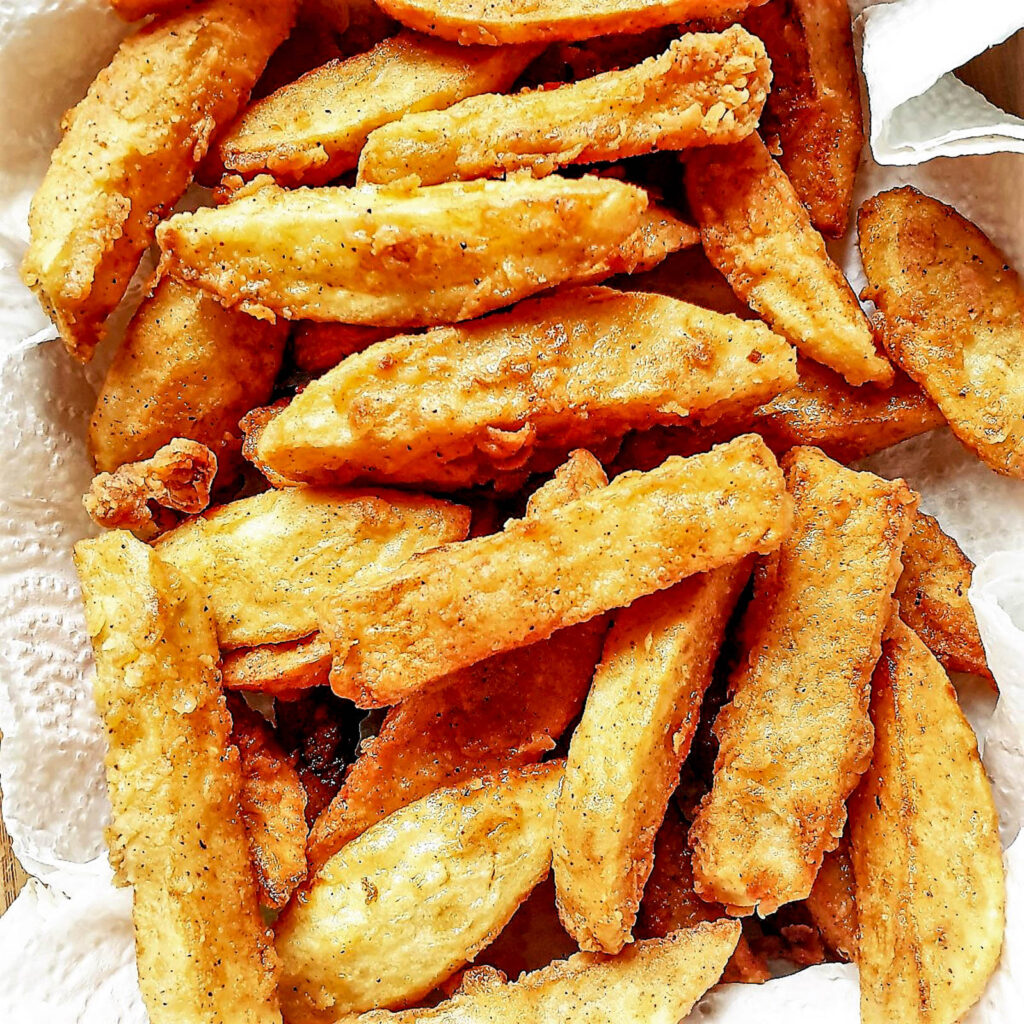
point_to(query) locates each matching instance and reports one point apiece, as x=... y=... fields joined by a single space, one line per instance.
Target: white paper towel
x=66 y=950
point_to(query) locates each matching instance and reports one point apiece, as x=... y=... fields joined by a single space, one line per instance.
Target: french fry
x=625 y=755
x=652 y=982
x=279 y=669
x=705 y=89
x=925 y=847
x=408 y=902
x=508 y=21
x=796 y=736
x=262 y=562
x=173 y=777
x=130 y=148
x=464 y=602
x=758 y=234
x=832 y=902
x=399 y=256
x=951 y=314
x=814 y=105
x=461 y=405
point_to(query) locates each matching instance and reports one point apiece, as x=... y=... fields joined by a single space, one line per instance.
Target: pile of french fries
x=510 y=354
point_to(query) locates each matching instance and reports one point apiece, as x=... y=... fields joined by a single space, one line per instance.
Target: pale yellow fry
x=463 y=602
x=796 y=736
x=931 y=891
x=177 y=835
x=759 y=235
x=705 y=89
x=404 y=257
x=404 y=905
x=521 y=388
x=130 y=148
x=625 y=755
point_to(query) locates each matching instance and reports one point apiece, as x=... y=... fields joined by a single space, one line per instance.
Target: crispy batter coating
x=177 y=476
x=625 y=755
x=279 y=669
x=129 y=151
x=705 y=89
x=757 y=233
x=462 y=405
x=263 y=562
x=814 y=105
x=463 y=602
x=311 y=130
x=796 y=736
x=402 y=256
x=411 y=900
x=924 y=837
x=832 y=902
x=951 y=313
x=173 y=777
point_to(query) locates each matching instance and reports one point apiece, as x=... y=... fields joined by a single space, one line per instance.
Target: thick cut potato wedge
x=706 y=89
x=924 y=836
x=401 y=257
x=173 y=777
x=814 y=106
x=462 y=405
x=758 y=234
x=263 y=562
x=832 y=902
x=951 y=313
x=129 y=151
x=463 y=602
x=625 y=754
x=310 y=131
x=411 y=900
x=796 y=736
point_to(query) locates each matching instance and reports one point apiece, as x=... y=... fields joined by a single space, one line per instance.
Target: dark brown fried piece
x=832 y=902
x=317 y=347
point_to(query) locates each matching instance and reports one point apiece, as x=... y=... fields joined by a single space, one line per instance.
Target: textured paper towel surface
x=66 y=950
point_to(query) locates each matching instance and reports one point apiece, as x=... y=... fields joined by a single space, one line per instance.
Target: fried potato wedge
x=404 y=257
x=758 y=234
x=652 y=982
x=310 y=131
x=796 y=736
x=832 y=902
x=951 y=313
x=130 y=148
x=279 y=669
x=924 y=836
x=705 y=89
x=173 y=777
x=408 y=902
x=625 y=755
x=263 y=562
x=814 y=105
x=463 y=602
x=461 y=405
x=509 y=21
x=273 y=806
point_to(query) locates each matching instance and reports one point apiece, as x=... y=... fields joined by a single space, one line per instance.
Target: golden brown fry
x=651 y=982
x=511 y=21
x=173 y=777
x=273 y=806
x=177 y=476
x=405 y=257
x=932 y=593
x=580 y=474
x=951 y=313
x=408 y=902
x=263 y=562
x=832 y=902
x=814 y=105
x=462 y=405
x=130 y=148
x=187 y=367
x=463 y=602
x=317 y=347
x=796 y=736
x=280 y=669
x=625 y=755
x=925 y=846
x=706 y=89
x=758 y=234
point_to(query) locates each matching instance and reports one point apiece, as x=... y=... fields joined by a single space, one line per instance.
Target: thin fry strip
x=832 y=902
x=279 y=669
x=706 y=89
